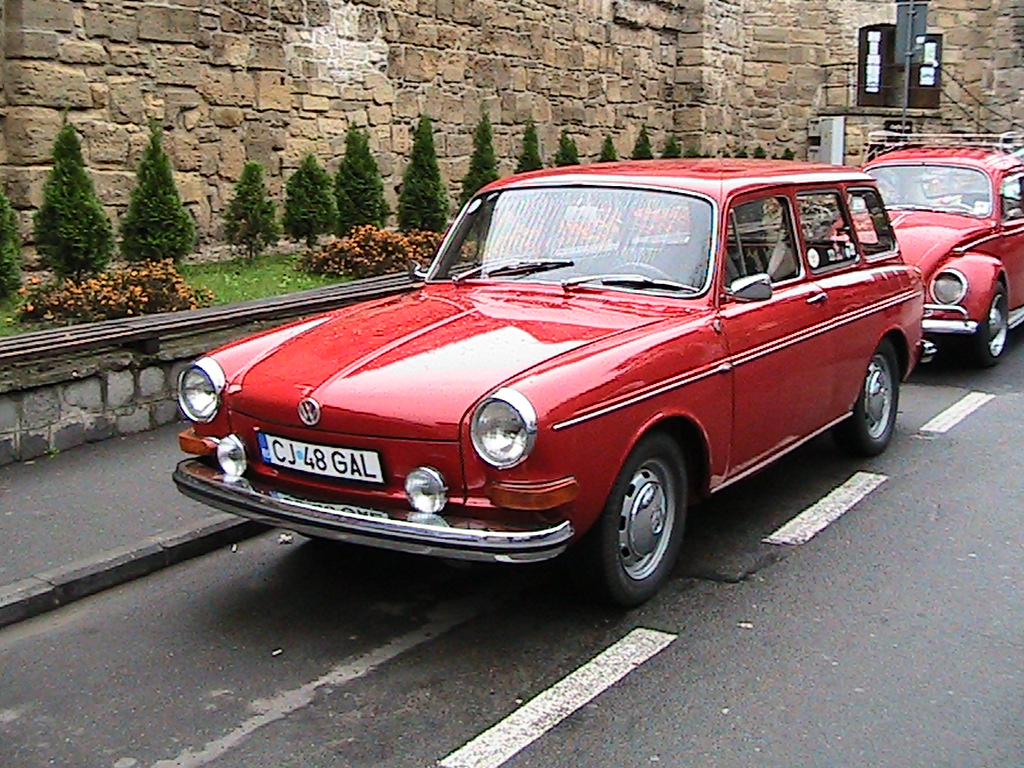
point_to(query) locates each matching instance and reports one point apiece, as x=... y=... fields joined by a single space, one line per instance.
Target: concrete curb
x=51 y=589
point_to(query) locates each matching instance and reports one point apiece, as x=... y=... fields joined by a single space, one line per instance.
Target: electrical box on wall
x=826 y=139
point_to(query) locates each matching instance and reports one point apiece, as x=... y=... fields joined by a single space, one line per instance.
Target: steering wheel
x=645 y=269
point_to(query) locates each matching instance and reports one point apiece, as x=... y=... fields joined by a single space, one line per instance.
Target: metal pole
x=908 y=61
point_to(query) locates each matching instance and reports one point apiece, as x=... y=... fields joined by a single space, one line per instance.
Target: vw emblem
x=309 y=411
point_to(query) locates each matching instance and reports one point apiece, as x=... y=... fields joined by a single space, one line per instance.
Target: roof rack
x=880 y=142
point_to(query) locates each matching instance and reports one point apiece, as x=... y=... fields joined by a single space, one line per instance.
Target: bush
x=10 y=249
x=672 y=148
x=368 y=252
x=642 y=149
x=250 y=219
x=156 y=225
x=760 y=152
x=567 y=153
x=358 y=186
x=529 y=157
x=72 y=233
x=134 y=290
x=483 y=165
x=309 y=209
x=423 y=202
x=608 y=153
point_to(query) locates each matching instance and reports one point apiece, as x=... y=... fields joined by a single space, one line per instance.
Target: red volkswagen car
x=592 y=350
x=959 y=217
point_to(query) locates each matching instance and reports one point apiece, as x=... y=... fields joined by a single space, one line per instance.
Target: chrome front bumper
x=439 y=537
x=959 y=326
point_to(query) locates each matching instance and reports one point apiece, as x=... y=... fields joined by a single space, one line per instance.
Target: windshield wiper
x=631 y=281
x=516 y=268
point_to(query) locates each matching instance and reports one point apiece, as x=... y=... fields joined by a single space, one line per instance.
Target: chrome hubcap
x=997 y=328
x=878 y=396
x=646 y=519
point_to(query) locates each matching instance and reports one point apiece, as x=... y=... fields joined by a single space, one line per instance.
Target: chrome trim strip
x=954 y=308
x=732 y=362
x=199 y=481
x=775 y=456
x=658 y=389
x=959 y=327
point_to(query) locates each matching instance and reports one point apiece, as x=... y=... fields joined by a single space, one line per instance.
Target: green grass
x=266 y=275
x=271 y=274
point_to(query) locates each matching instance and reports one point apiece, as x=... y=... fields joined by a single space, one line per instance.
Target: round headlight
x=949 y=287
x=199 y=388
x=426 y=491
x=231 y=456
x=504 y=428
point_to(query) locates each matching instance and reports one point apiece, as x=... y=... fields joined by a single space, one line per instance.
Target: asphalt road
x=891 y=638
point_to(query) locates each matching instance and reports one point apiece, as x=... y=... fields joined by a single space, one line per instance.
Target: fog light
x=426 y=491
x=231 y=456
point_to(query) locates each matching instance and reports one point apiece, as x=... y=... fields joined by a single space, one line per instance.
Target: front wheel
x=989 y=341
x=630 y=551
x=868 y=429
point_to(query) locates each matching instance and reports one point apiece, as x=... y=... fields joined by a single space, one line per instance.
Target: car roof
x=715 y=177
x=984 y=159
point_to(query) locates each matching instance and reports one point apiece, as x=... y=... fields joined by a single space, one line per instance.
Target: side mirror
x=417 y=272
x=751 y=288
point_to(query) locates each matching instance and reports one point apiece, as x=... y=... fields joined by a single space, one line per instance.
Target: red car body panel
x=740 y=382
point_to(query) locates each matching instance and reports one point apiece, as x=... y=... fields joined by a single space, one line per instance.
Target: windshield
x=947 y=188
x=568 y=234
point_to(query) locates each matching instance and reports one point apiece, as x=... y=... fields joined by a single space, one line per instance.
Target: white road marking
x=287 y=702
x=956 y=413
x=542 y=713
x=818 y=516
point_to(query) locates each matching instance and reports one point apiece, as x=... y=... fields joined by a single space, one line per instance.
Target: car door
x=851 y=252
x=779 y=352
x=1011 y=248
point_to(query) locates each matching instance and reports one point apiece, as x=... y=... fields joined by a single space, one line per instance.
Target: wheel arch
x=692 y=441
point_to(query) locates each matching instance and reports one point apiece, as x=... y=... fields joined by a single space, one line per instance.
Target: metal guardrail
x=146 y=331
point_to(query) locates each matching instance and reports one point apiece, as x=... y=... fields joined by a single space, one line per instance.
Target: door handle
x=818 y=298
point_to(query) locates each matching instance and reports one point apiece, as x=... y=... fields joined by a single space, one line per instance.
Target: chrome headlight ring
x=949 y=286
x=199 y=390
x=503 y=428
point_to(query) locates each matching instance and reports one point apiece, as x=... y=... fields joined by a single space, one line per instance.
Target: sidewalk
x=96 y=516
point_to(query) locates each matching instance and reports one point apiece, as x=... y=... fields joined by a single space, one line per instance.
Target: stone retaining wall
x=57 y=404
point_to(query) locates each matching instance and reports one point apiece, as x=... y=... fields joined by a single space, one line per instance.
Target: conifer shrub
x=760 y=152
x=423 y=202
x=310 y=209
x=672 y=148
x=137 y=289
x=10 y=249
x=741 y=152
x=72 y=232
x=358 y=186
x=368 y=251
x=567 y=153
x=529 y=156
x=250 y=219
x=156 y=225
x=788 y=154
x=642 y=149
x=483 y=165
x=608 y=153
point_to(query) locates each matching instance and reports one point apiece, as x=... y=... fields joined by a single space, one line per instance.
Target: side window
x=760 y=240
x=825 y=229
x=871 y=222
x=1012 y=198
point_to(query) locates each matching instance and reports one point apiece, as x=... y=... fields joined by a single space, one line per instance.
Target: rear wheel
x=989 y=342
x=868 y=430
x=633 y=546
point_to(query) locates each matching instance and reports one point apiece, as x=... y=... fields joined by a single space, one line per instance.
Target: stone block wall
x=272 y=80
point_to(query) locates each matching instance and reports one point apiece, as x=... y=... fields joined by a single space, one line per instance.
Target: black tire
x=989 y=342
x=868 y=429
x=631 y=550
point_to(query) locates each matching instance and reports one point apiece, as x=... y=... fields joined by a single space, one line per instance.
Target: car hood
x=412 y=366
x=927 y=237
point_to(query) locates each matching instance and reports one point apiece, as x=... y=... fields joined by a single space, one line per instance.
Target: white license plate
x=326 y=460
